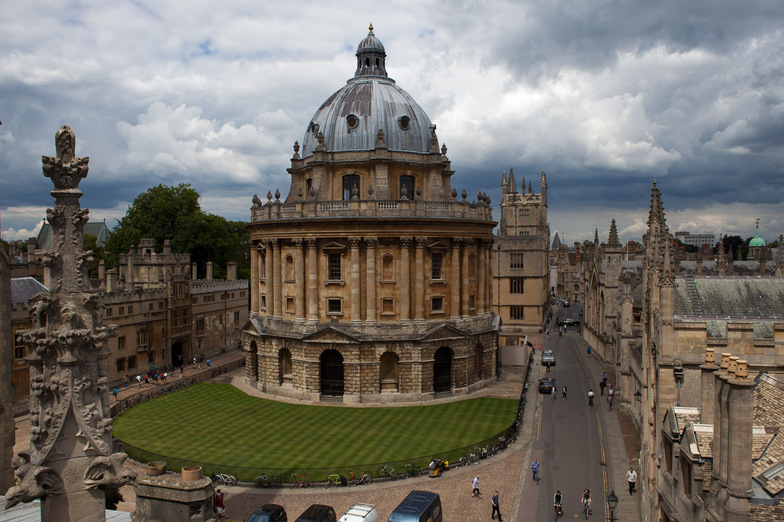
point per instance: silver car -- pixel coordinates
(548, 356)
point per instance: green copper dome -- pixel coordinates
(757, 242)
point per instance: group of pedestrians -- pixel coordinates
(494, 500)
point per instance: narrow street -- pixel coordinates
(567, 437)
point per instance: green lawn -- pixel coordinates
(217, 423)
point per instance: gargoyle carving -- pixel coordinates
(33, 482)
(109, 471)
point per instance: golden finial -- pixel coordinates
(371, 28)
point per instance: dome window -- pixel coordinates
(352, 121)
(404, 122)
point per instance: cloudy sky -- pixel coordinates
(605, 96)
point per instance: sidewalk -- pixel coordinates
(621, 442)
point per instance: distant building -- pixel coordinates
(521, 269)
(696, 240)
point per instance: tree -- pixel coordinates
(174, 213)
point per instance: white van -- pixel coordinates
(360, 513)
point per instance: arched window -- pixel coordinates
(472, 265)
(289, 268)
(406, 187)
(350, 181)
(389, 372)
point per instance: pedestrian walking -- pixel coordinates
(631, 476)
(601, 387)
(165, 374)
(590, 397)
(589, 351)
(139, 379)
(610, 396)
(115, 392)
(475, 487)
(496, 507)
(535, 469)
(125, 381)
(552, 392)
(182, 369)
(563, 391)
(548, 366)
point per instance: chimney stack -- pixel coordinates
(231, 271)
(209, 271)
(194, 272)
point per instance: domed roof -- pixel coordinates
(351, 118)
(757, 242)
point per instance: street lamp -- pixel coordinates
(612, 501)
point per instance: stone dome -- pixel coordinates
(757, 242)
(351, 118)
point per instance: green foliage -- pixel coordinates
(217, 423)
(174, 213)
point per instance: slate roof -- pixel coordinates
(769, 412)
(733, 297)
(96, 228)
(25, 288)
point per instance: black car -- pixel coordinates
(269, 513)
(318, 513)
(570, 322)
(546, 385)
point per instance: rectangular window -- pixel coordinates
(516, 313)
(121, 343)
(436, 259)
(131, 362)
(387, 306)
(200, 324)
(150, 307)
(334, 306)
(108, 312)
(437, 304)
(236, 317)
(141, 339)
(242, 294)
(516, 260)
(290, 305)
(525, 213)
(516, 285)
(160, 305)
(19, 351)
(263, 302)
(334, 267)
(471, 301)
(121, 364)
(130, 310)
(122, 310)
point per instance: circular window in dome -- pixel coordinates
(404, 122)
(352, 121)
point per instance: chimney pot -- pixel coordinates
(710, 357)
(725, 360)
(742, 372)
(733, 365)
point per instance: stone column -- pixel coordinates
(277, 284)
(489, 277)
(312, 281)
(454, 280)
(481, 283)
(419, 280)
(299, 269)
(254, 279)
(706, 375)
(269, 290)
(740, 457)
(370, 280)
(356, 287)
(468, 245)
(405, 281)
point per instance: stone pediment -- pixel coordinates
(443, 332)
(438, 245)
(333, 245)
(331, 334)
(253, 326)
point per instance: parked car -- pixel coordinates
(546, 385)
(418, 506)
(548, 356)
(269, 513)
(570, 322)
(360, 512)
(318, 513)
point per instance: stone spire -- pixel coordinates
(503, 183)
(512, 186)
(613, 241)
(70, 459)
(721, 261)
(543, 184)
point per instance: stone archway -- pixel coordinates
(331, 373)
(442, 370)
(479, 363)
(177, 355)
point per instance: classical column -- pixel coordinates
(277, 286)
(254, 278)
(312, 281)
(355, 284)
(299, 269)
(269, 293)
(419, 280)
(467, 246)
(454, 279)
(405, 313)
(481, 283)
(370, 281)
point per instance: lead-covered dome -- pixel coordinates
(371, 101)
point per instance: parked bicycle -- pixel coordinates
(266, 481)
(387, 470)
(300, 480)
(225, 478)
(412, 470)
(355, 479)
(334, 479)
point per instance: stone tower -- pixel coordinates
(70, 459)
(6, 363)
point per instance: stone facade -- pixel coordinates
(6, 368)
(371, 281)
(521, 265)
